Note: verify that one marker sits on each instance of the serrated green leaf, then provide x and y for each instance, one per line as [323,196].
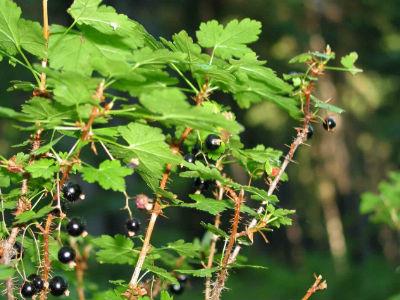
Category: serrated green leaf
[147,144]
[171,107]
[44,168]
[31,37]
[199,272]
[329,107]
[110,175]
[229,41]
[6,272]
[30,215]
[183,248]
[209,205]
[9,33]
[160,272]
[165,296]
[4,179]
[44,111]
[114,250]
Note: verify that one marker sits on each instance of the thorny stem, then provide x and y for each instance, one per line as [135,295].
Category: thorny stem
[133,284]
[46,256]
[221,277]
[300,139]
[213,246]
[317,286]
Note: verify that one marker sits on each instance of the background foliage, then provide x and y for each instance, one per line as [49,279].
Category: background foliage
[329,236]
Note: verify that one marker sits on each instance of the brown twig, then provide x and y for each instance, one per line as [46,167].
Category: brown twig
[175,147]
[80,268]
[222,274]
[213,246]
[46,232]
[317,286]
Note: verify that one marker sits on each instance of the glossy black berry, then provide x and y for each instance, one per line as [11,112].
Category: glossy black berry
[310,131]
[176,289]
[213,142]
[329,124]
[132,225]
[18,251]
[75,227]
[182,278]
[72,192]
[66,255]
[28,290]
[58,286]
[37,282]
[190,158]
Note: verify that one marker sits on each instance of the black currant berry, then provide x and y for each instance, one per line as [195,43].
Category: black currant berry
[132,225]
[37,282]
[75,227]
[28,290]
[213,142]
[329,124]
[200,184]
[182,278]
[310,132]
[190,158]
[176,289]
[58,286]
[18,251]
[72,192]
[66,255]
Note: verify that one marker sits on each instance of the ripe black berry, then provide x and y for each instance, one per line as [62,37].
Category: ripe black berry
[28,290]
[75,227]
[176,289]
[37,282]
[133,226]
[57,286]
[72,192]
[310,131]
[66,255]
[18,251]
[213,142]
[190,158]
[182,278]
[329,124]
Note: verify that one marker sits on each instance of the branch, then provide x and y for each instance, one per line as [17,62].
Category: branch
[220,281]
[133,289]
[213,246]
[46,256]
[317,286]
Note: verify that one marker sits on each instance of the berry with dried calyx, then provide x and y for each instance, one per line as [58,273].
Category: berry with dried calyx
[58,286]
[75,227]
[133,226]
[182,278]
[28,290]
[144,202]
[329,123]
[213,142]
[66,255]
[72,192]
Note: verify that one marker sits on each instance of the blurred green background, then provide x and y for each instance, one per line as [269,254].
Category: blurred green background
[359,260]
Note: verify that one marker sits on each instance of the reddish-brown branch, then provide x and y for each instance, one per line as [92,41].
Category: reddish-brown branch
[42,87]
[46,232]
[318,285]
[80,268]
[222,274]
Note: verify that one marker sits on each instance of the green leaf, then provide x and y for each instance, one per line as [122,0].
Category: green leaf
[165,296]
[110,175]
[348,62]
[106,20]
[4,179]
[44,111]
[171,107]
[72,88]
[160,272]
[9,33]
[183,248]
[114,250]
[146,144]
[231,40]
[30,215]
[6,272]
[329,107]
[31,37]
[199,272]
[44,168]
[212,206]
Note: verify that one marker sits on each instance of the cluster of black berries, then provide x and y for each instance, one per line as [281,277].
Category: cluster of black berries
[329,124]
[35,284]
[179,287]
